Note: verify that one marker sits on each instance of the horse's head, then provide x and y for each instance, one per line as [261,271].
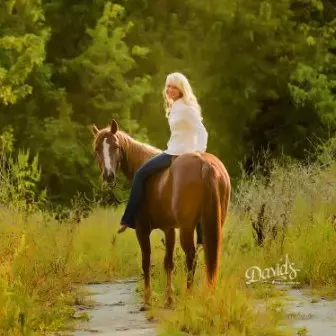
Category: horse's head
[107,150]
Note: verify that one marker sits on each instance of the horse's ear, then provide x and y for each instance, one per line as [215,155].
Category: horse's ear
[94,130]
[114,126]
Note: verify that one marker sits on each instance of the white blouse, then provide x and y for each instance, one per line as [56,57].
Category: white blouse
[188,133]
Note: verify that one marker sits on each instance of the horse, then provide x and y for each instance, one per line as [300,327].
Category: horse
[196,187]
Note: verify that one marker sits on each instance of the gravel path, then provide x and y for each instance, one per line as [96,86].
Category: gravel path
[116,312]
[318,317]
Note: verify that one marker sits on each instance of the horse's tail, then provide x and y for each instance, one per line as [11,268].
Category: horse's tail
[211,218]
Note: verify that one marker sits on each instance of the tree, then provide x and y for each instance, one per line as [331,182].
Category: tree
[23,37]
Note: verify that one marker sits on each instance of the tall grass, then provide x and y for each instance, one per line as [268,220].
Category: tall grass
[43,260]
[298,219]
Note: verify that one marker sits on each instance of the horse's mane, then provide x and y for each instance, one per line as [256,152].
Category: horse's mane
[140,148]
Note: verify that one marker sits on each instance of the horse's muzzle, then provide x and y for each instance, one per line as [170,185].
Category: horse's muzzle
[109,177]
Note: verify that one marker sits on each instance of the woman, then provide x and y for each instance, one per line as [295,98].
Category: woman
[188,134]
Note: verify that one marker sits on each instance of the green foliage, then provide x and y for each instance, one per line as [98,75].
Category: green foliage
[20,177]
[264,73]
[23,37]
[65,156]
[93,85]
[101,73]
[244,62]
[314,89]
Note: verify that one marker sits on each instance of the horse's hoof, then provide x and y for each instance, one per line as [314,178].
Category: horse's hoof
[169,302]
[144,307]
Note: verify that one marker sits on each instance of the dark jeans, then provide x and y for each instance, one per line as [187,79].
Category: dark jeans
[150,167]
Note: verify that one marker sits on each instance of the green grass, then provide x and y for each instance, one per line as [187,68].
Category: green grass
[44,262]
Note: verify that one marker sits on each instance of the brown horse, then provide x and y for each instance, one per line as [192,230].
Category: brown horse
[195,188]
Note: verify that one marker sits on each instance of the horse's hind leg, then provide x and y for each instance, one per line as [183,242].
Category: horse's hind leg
[169,264]
[144,241]
[188,246]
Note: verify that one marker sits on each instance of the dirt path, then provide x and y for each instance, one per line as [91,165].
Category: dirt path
[313,317]
[116,312]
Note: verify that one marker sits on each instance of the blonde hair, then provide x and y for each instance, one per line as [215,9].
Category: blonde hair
[181,82]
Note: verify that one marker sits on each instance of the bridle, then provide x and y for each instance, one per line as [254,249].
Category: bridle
[121,157]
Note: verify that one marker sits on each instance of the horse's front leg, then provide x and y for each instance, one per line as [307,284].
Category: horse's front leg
[188,246]
[169,264]
[144,241]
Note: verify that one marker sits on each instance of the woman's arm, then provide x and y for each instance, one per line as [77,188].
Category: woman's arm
[194,121]
[202,137]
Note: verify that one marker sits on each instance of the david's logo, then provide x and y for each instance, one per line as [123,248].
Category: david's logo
[281,273]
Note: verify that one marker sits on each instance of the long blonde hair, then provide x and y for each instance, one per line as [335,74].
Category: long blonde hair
[181,82]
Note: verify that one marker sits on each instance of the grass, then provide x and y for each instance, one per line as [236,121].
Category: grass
[43,262]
